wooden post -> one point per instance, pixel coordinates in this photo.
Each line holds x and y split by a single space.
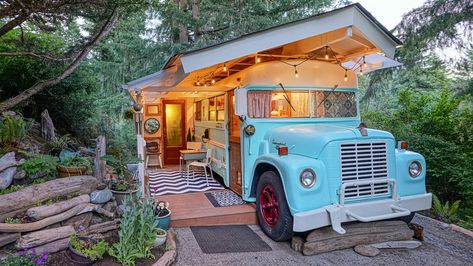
100 151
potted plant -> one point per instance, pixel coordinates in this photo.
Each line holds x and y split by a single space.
124 184
161 236
85 250
162 215
73 165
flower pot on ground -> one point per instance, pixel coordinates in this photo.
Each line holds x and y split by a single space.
85 250
161 236
73 166
162 215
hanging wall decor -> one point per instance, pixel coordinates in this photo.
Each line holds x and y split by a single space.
152 125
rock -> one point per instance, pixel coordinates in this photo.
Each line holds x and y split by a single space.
297 243
101 196
111 206
19 175
418 231
366 250
81 219
6 177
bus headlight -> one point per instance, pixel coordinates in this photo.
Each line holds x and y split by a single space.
308 178
415 168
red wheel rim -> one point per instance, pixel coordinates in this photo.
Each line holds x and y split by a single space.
269 206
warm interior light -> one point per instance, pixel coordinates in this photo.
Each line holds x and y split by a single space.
213 81
198 83
224 68
326 52
258 59
205 84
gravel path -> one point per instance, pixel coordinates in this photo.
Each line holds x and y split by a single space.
442 246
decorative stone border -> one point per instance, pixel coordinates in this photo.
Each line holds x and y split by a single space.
170 255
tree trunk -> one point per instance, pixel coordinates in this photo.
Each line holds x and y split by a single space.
44 236
39 86
196 16
325 239
48 132
30 196
100 151
28 227
44 211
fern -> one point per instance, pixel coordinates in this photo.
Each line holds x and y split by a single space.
445 212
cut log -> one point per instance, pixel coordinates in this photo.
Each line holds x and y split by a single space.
44 236
103 227
169 257
53 247
28 227
325 239
6 239
44 211
30 196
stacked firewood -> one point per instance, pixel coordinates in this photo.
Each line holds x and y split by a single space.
47 225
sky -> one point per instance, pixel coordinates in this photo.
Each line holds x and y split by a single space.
389 12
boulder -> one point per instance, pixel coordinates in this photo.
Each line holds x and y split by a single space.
6 177
111 206
366 250
100 196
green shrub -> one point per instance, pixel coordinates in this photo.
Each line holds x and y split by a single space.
60 143
93 251
40 163
137 232
445 212
76 161
13 129
11 220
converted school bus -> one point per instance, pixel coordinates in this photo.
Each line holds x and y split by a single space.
279 109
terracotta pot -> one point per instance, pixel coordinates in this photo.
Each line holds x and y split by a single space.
66 171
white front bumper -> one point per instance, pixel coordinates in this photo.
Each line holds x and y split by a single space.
367 211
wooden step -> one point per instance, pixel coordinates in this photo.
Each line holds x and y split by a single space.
194 209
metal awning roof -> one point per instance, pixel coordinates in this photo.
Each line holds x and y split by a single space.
351 31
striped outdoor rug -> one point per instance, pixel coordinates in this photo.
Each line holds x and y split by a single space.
171 182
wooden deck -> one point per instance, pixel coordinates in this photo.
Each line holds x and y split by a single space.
194 209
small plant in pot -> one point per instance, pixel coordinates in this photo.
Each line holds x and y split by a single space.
162 215
73 165
161 236
85 249
124 184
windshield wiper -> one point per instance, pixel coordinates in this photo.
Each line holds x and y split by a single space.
286 97
333 89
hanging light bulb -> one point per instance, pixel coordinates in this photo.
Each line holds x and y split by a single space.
205 84
213 81
361 71
224 68
326 52
295 72
198 83
346 76
364 62
258 59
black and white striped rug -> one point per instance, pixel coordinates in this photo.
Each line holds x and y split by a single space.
171 182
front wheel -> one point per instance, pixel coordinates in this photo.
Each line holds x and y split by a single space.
272 210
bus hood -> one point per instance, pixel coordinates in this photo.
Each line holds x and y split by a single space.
310 139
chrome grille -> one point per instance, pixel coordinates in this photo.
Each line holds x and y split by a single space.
363 161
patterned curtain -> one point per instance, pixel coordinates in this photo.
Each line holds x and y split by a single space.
259 104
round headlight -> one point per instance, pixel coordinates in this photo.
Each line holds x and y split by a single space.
415 168
308 178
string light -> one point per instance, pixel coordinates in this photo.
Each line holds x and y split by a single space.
258 59
296 74
224 68
198 83
205 84
213 81
361 71
326 52
364 62
346 76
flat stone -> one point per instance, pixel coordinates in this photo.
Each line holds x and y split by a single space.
366 250
19 175
408 244
100 196
111 206
6 177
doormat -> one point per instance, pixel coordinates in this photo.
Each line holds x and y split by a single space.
173 182
228 239
224 198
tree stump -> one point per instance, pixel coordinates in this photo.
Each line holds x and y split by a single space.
48 132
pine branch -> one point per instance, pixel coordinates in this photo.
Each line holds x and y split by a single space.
40 56
39 86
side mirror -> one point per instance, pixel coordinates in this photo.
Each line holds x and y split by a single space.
240 102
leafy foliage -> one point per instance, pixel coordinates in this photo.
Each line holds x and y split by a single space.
92 250
26 258
40 163
76 161
445 212
137 232
13 129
